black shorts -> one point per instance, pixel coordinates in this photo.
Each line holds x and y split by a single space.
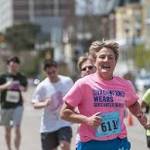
50 140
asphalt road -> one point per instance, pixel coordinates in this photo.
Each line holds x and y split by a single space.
31 124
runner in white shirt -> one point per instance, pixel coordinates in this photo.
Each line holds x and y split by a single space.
48 95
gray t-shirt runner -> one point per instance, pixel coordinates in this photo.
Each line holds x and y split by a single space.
50 120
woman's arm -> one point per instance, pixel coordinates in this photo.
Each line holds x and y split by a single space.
136 110
68 113
41 104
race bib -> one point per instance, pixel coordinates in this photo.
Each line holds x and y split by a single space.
12 96
110 124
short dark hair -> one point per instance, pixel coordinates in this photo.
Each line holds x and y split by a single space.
49 63
13 59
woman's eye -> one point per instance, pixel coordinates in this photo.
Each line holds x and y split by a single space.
102 57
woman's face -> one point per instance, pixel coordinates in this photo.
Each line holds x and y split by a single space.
105 63
87 68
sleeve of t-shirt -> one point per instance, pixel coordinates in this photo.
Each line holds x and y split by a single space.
2 80
146 97
131 95
24 81
39 94
74 95
69 84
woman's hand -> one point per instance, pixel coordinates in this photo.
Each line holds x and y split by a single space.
94 120
143 120
47 101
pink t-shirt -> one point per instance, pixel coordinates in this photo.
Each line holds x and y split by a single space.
91 95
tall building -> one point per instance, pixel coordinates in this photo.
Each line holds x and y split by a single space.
100 17
129 22
6 14
54 16
146 17
12 12
18 11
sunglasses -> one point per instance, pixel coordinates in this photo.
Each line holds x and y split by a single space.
87 67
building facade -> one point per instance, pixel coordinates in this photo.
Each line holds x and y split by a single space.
129 22
6 14
53 16
146 16
19 11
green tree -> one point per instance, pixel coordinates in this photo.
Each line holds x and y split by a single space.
22 36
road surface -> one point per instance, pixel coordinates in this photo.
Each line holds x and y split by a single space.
31 136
